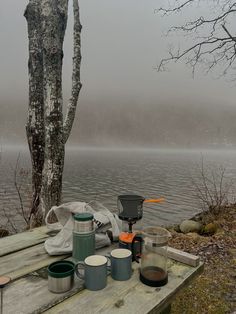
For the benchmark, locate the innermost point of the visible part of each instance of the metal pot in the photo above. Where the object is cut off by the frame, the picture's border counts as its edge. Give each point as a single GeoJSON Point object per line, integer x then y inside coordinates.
{"type": "Point", "coordinates": [130, 206]}
{"type": "Point", "coordinates": [61, 276]}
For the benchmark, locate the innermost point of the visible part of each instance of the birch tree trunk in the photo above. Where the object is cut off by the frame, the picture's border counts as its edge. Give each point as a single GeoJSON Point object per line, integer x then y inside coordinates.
{"type": "Point", "coordinates": [47, 21]}
{"type": "Point", "coordinates": [54, 19]}
{"type": "Point", "coordinates": [35, 120]}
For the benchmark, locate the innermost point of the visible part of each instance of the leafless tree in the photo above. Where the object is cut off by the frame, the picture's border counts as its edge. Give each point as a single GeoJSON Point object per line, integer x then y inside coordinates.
{"type": "Point", "coordinates": [212, 34]}
{"type": "Point", "coordinates": [18, 218]}
{"type": "Point", "coordinates": [47, 131]}
{"type": "Point", "coordinates": [214, 189]}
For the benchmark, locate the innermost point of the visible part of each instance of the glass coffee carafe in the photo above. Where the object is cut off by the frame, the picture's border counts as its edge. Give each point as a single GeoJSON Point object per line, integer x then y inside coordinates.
{"type": "Point", "coordinates": [154, 243]}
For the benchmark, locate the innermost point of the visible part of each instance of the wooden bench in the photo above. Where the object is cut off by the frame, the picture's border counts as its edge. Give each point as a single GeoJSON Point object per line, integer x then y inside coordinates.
{"type": "Point", "coordinates": [23, 258]}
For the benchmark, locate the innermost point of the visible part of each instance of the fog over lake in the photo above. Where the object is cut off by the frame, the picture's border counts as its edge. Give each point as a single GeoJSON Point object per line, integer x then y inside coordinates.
{"type": "Point", "coordinates": [136, 130]}
{"type": "Point", "coordinates": [103, 174]}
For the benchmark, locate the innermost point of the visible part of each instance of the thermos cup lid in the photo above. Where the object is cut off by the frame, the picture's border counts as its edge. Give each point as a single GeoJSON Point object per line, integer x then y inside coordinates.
{"type": "Point", "coordinates": [61, 269]}
{"type": "Point", "coordinates": [83, 217]}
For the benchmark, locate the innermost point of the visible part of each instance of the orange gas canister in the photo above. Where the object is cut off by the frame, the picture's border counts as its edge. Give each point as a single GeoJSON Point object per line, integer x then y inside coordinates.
{"type": "Point", "coordinates": [126, 242]}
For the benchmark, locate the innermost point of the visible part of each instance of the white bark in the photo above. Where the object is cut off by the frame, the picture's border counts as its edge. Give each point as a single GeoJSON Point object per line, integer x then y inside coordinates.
{"type": "Point", "coordinates": [54, 19]}
{"type": "Point", "coordinates": [35, 120]}
{"type": "Point", "coordinates": [76, 84]}
{"type": "Point", "coordinates": [49, 35]}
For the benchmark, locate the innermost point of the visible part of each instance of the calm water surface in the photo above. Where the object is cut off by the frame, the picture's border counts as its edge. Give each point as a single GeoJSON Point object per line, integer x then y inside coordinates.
{"type": "Point", "coordinates": [99, 174]}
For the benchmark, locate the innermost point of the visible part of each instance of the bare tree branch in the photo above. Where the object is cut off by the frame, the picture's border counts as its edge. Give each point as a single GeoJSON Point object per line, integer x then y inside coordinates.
{"type": "Point", "coordinates": [23, 214]}
{"type": "Point", "coordinates": [76, 84]}
{"type": "Point", "coordinates": [176, 9]}
{"type": "Point", "coordinates": [225, 29]}
{"type": "Point", "coordinates": [212, 188]}
{"type": "Point", "coordinates": [210, 49]}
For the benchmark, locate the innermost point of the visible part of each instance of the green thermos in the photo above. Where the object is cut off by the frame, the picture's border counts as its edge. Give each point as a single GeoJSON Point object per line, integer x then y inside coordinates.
{"type": "Point", "coordinates": [83, 236]}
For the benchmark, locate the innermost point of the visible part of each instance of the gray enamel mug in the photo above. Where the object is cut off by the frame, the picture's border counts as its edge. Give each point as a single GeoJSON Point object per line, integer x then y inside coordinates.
{"type": "Point", "coordinates": [121, 264]}
{"type": "Point", "coordinates": [95, 270]}
{"type": "Point", "coordinates": [61, 276]}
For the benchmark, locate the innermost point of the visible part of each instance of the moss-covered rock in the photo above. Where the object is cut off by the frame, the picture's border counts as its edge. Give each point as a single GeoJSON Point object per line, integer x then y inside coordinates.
{"type": "Point", "coordinates": [210, 229]}
{"type": "Point", "coordinates": [190, 226]}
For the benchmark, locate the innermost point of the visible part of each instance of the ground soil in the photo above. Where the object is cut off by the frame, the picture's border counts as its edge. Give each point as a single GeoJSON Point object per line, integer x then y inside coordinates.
{"type": "Point", "coordinates": [214, 292]}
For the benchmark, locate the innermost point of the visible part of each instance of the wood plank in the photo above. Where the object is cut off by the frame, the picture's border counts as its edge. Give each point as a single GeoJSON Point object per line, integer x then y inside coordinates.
{"type": "Point", "coordinates": [31, 292]}
{"type": "Point", "coordinates": [183, 257]}
{"type": "Point", "coordinates": [23, 240]}
{"type": "Point", "coordinates": [177, 255]}
{"type": "Point", "coordinates": [25, 261]}
{"type": "Point", "coordinates": [130, 296]}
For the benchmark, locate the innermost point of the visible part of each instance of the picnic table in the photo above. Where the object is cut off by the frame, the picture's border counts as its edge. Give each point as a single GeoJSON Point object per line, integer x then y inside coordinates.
{"type": "Point", "coordinates": [24, 259]}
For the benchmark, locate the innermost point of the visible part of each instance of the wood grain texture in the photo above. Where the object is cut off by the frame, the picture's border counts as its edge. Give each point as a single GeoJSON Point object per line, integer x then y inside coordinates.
{"type": "Point", "coordinates": [183, 257]}
{"type": "Point", "coordinates": [131, 296]}
{"type": "Point", "coordinates": [23, 240]}
{"type": "Point", "coordinates": [31, 291]}
{"type": "Point", "coordinates": [23, 262]}
{"type": "Point", "coordinates": [26, 265]}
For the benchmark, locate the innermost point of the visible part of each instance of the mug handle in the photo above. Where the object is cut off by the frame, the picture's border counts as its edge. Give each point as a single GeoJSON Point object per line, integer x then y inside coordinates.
{"type": "Point", "coordinates": [77, 266]}
{"type": "Point", "coordinates": [139, 239]}
{"type": "Point", "coordinates": [108, 266]}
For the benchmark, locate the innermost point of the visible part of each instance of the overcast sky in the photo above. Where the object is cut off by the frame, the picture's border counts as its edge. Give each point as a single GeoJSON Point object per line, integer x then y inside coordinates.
{"type": "Point", "coordinates": [122, 42]}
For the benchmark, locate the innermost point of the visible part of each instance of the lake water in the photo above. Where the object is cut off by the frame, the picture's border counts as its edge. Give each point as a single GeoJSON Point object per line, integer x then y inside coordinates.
{"type": "Point", "coordinates": [102, 174]}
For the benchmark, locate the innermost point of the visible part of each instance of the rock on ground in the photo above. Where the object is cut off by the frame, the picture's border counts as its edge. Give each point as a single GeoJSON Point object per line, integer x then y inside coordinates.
{"type": "Point", "coordinates": [190, 226]}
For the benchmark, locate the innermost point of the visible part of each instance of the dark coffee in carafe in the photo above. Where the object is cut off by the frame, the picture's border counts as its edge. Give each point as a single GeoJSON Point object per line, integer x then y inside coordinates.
{"type": "Point", "coordinates": [153, 276]}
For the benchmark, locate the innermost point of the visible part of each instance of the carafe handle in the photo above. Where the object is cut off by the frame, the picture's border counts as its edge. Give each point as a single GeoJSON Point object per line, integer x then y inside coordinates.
{"type": "Point", "coordinates": [139, 239]}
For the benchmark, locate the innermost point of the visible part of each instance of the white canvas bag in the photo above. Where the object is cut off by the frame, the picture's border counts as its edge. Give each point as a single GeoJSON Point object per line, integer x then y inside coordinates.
{"type": "Point", "coordinates": [103, 220]}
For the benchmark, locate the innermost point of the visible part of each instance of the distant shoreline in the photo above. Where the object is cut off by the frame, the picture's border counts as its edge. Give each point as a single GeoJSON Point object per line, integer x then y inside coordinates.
{"type": "Point", "coordinates": [73, 147]}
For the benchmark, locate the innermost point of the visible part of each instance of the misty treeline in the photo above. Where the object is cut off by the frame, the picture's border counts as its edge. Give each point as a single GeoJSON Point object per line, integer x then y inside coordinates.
{"type": "Point", "coordinates": [120, 123]}
{"type": "Point", "coordinates": [185, 125]}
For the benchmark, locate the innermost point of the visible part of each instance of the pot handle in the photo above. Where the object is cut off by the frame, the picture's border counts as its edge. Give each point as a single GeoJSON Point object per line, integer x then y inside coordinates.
{"type": "Point", "coordinates": [154, 200]}
{"type": "Point", "coordinates": [79, 265]}
{"type": "Point", "coordinates": [139, 239]}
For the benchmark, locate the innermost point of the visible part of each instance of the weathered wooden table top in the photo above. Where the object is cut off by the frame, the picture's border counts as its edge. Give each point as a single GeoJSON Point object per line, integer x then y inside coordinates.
{"type": "Point", "coordinates": [23, 258]}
